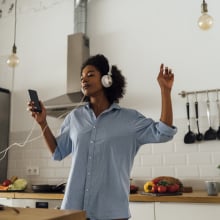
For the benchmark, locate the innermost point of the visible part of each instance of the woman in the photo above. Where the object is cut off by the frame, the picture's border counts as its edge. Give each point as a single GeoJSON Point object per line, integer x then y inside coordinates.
{"type": "Point", "coordinates": [103, 139]}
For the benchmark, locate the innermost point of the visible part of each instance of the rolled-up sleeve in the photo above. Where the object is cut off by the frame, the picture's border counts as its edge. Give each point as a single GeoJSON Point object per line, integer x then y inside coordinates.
{"type": "Point", "coordinates": [149, 131]}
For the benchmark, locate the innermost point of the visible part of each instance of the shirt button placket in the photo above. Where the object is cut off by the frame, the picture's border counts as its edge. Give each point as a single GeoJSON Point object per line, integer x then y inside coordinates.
{"type": "Point", "coordinates": [89, 166]}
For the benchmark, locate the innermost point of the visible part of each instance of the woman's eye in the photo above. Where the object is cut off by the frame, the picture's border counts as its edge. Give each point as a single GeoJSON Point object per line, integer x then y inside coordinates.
{"type": "Point", "coordinates": [89, 74]}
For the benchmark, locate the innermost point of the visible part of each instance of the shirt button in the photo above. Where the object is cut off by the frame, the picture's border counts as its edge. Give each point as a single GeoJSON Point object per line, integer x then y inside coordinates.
{"type": "Point", "coordinates": [87, 190]}
{"type": "Point", "coordinates": [88, 173]}
{"type": "Point", "coordinates": [94, 127]}
{"type": "Point", "coordinates": [90, 157]}
{"type": "Point", "coordinates": [91, 142]}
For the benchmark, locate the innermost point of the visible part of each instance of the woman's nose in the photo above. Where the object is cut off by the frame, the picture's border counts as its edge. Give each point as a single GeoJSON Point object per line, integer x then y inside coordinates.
{"type": "Point", "coordinates": [83, 79]}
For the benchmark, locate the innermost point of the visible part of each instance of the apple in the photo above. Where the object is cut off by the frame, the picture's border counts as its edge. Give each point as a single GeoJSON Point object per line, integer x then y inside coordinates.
{"type": "Point", "coordinates": [6, 182]}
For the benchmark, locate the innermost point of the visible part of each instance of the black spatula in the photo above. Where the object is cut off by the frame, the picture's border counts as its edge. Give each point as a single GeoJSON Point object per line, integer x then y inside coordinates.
{"type": "Point", "coordinates": [189, 137]}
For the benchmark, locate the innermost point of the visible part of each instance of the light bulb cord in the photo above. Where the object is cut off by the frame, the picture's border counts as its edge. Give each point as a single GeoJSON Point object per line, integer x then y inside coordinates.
{"type": "Point", "coordinates": [204, 7]}
{"type": "Point", "coordinates": [15, 28]}
{"type": "Point", "coordinates": [14, 48]}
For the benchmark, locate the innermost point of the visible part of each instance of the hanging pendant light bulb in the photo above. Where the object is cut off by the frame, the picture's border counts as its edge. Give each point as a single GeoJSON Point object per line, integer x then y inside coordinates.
{"type": "Point", "coordinates": [205, 21]}
{"type": "Point", "coordinates": [13, 59]}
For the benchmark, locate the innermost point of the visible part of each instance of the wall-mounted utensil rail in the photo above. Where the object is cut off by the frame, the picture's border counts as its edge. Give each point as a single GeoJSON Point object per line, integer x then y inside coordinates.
{"type": "Point", "coordinates": [210, 134]}
{"type": "Point", "coordinates": [184, 93]}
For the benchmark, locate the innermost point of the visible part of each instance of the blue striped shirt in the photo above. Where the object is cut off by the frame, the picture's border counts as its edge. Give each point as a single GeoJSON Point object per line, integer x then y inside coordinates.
{"type": "Point", "coordinates": [103, 150]}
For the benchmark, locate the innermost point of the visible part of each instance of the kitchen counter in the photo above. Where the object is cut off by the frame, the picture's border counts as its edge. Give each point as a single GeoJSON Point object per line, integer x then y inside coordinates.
{"type": "Point", "coordinates": [194, 197]}
{"type": "Point", "coordinates": [9, 195]}
{"type": "Point", "coordinates": [31, 195]}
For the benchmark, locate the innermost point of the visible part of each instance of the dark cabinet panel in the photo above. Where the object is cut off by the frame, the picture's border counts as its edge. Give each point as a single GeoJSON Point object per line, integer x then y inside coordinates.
{"type": "Point", "coordinates": [4, 130]}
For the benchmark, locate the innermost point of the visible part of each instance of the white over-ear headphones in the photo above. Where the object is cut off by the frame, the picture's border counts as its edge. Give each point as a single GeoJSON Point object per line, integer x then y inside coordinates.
{"type": "Point", "coordinates": [107, 80]}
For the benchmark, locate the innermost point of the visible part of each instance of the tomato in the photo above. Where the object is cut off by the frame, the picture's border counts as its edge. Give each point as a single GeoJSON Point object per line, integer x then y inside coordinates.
{"type": "Point", "coordinates": [156, 180]}
{"type": "Point", "coordinates": [154, 188]}
{"type": "Point", "coordinates": [177, 186]}
{"type": "Point", "coordinates": [161, 189]}
{"type": "Point", "coordinates": [173, 188]}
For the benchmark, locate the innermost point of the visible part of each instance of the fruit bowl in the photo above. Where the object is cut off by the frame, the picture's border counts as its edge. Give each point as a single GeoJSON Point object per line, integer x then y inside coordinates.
{"type": "Point", "coordinates": [163, 185]}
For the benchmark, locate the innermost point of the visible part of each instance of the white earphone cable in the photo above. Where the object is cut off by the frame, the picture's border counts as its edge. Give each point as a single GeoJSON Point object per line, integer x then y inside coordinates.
{"type": "Point", "coordinates": [4, 152]}
{"type": "Point", "coordinates": [28, 140]}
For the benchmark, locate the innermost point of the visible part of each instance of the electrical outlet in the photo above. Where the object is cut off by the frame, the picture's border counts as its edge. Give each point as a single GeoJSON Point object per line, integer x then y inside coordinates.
{"type": "Point", "coordinates": [32, 171]}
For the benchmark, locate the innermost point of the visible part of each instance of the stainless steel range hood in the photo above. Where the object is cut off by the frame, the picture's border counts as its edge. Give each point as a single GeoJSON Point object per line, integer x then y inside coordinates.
{"type": "Point", "coordinates": [77, 53]}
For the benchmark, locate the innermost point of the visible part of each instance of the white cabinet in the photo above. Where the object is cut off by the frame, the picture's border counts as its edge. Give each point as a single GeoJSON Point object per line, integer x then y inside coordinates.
{"type": "Point", "coordinates": [183, 211]}
{"type": "Point", "coordinates": [37, 203]}
{"type": "Point", "coordinates": [142, 210]}
{"type": "Point", "coordinates": [31, 203]}
{"type": "Point", "coordinates": [6, 201]}
{"type": "Point", "coordinates": [174, 211]}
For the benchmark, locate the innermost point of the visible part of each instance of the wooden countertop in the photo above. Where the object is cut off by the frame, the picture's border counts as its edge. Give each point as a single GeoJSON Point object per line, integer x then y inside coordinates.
{"type": "Point", "coordinates": [56, 196]}
{"type": "Point", "coordinates": [31, 195]}
{"type": "Point", "coordinates": [8, 195]}
{"type": "Point", "coordinates": [194, 197]}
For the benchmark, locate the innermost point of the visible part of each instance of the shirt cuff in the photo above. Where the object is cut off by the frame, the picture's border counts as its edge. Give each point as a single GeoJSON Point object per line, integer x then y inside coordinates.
{"type": "Point", "coordinates": [169, 130]}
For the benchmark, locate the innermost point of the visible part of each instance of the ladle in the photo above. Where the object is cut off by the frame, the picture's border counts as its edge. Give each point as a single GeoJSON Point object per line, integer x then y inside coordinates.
{"type": "Point", "coordinates": [199, 136]}
{"type": "Point", "coordinates": [189, 137]}
{"type": "Point", "coordinates": [218, 106]}
{"type": "Point", "coordinates": [210, 134]}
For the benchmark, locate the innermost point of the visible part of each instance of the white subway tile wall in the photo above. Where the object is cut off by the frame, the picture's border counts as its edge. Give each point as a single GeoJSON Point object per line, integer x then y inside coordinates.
{"type": "Point", "coordinates": [191, 163]}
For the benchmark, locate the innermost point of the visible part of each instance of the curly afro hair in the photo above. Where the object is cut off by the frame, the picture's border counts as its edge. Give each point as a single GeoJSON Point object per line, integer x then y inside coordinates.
{"type": "Point", "coordinates": [117, 90]}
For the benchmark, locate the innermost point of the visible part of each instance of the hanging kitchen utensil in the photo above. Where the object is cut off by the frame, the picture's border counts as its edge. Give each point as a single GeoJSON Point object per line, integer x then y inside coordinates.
{"type": "Point", "coordinates": [218, 106]}
{"type": "Point", "coordinates": [210, 134]}
{"type": "Point", "coordinates": [189, 137]}
{"type": "Point", "coordinates": [199, 136]}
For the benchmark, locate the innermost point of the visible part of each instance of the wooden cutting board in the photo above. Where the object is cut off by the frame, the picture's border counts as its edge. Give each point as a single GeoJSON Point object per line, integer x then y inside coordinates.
{"type": "Point", "coordinates": [10, 213]}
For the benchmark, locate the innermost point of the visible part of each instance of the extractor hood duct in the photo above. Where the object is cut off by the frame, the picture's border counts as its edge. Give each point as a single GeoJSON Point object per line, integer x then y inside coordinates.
{"type": "Point", "coordinates": [77, 53]}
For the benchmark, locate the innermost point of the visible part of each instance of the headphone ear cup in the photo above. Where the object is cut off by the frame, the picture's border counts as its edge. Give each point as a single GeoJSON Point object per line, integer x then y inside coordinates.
{"type": "Point", "coordinates": [106, 80]}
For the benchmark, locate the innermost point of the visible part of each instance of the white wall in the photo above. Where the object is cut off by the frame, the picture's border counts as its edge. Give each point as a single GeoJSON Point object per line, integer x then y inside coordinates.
{"type": "Point", "coordinates": [139, 35]}
{"type": "Point", "coordinates": [42, 29]}
{"type": "Point", "coordinates": [136, 36]}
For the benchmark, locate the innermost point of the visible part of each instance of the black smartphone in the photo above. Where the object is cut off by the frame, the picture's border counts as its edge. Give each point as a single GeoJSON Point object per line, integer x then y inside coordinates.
{"type": "Point", "coordinates": [34, 98]}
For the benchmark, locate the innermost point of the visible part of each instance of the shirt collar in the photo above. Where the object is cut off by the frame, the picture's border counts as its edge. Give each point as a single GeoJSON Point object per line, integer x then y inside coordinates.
{"type": "Point", "coordinates": [112, 106]}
